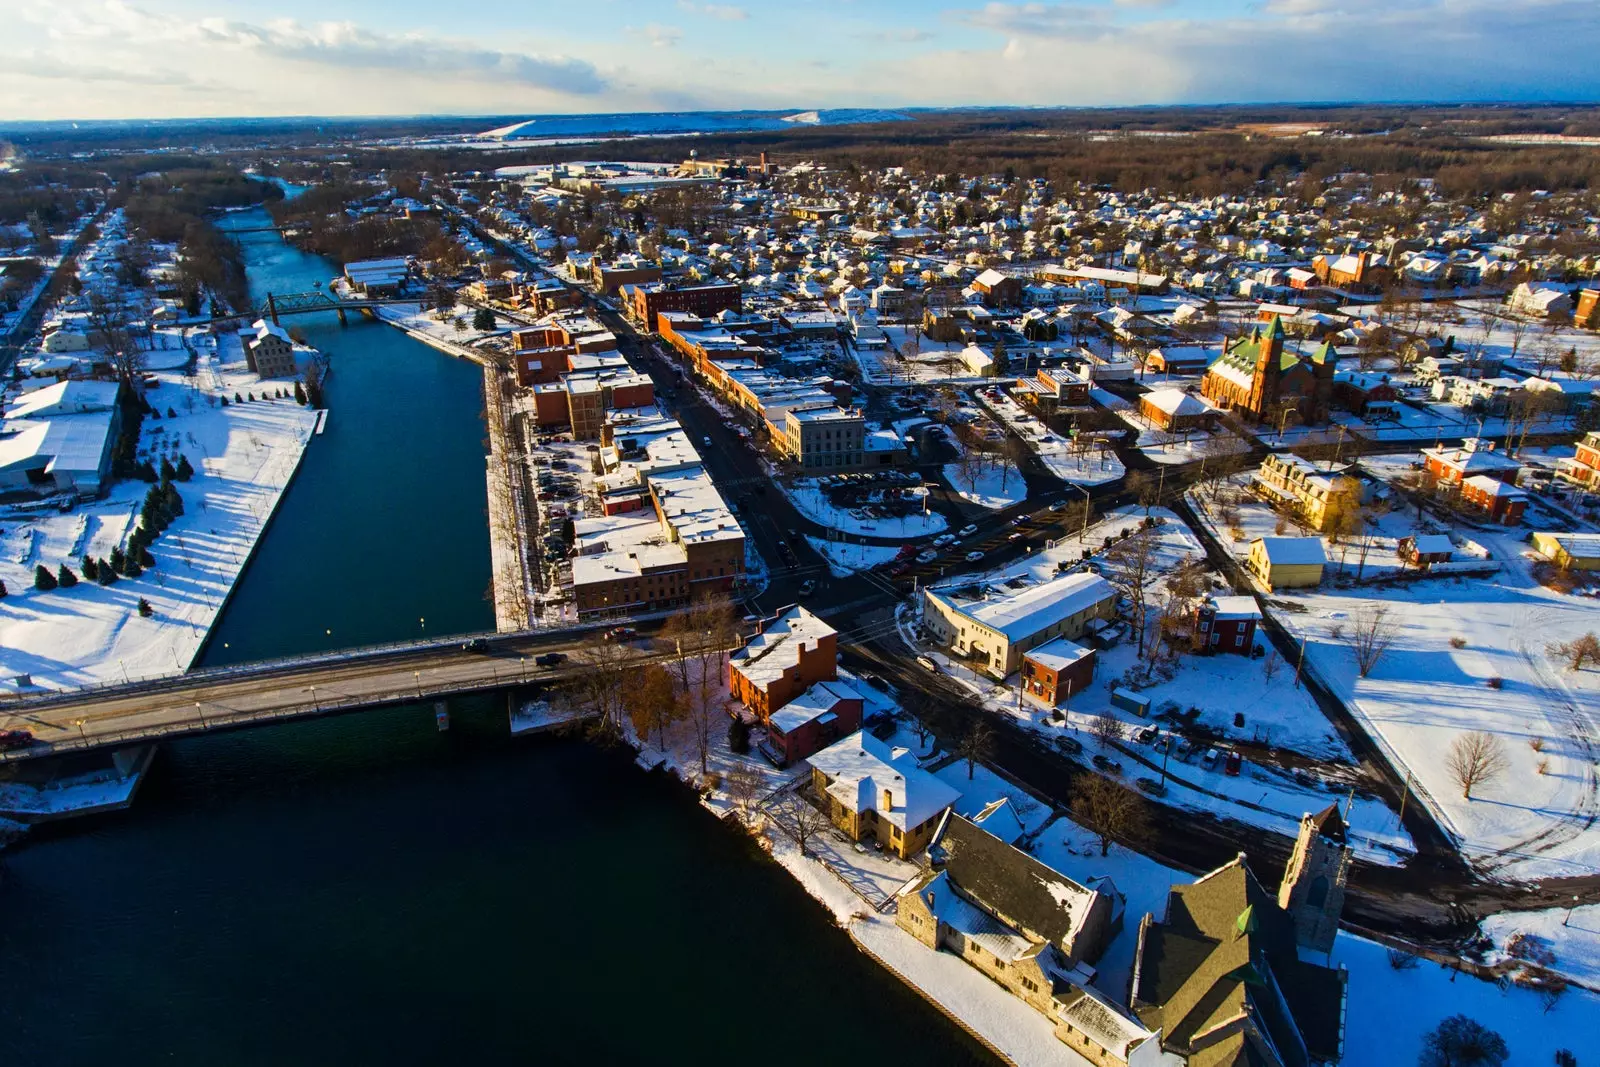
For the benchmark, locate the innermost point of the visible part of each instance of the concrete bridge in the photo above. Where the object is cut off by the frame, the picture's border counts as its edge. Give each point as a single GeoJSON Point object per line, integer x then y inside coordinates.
{"type": "Point", "coordinates": [275, 691]}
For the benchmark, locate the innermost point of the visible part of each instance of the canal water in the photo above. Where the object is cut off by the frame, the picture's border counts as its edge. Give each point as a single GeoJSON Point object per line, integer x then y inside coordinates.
{"type": "Point", "coordinates": [366, 890]}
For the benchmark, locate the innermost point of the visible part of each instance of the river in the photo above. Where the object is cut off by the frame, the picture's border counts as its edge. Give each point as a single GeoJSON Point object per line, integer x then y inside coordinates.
{"type": "Point", "coordinates": [365, 889]}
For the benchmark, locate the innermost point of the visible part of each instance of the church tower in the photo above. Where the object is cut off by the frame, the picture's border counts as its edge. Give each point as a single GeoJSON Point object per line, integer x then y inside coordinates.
{"type": "Point", "coordinates": [1312, 891]}
{"type": "Point", "coordinates": [1269, 366]}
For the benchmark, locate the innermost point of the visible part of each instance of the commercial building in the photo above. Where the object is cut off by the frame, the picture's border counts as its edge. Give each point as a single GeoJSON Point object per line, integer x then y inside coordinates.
{"type": "Point", "coordinates": [645, 302]}
{"type": "Point", "coordinates": [875, 792]}
{"type": "Point", "coordinates": [377, 277]}
{"type": "Point", "coordinates": [1577, 552]}
{"type": "Point", "coordinates": [1452, 466]}
{"type": "Point", "coordinates": [993, 631]}
{"type": "Point", "coordinates": [59, 439]}
{"type": "Point", "coordinates": [1057, 669]}
{"type": "Point", "coordinates": [792, 652]}
{"type": "Point", "coordinates": [826, 439]}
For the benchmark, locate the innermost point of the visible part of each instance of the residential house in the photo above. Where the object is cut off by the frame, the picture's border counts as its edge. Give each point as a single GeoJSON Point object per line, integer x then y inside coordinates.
{"type": "Point", "coordinates": [1451, 465]}
{"type": "Point", "coordinates": [1054, 671]}
{"type": "Point", "coordinates": [1226, 624]}
{"type": "Point", "coordinates": [875, 792]}
{"type": "Point", "coordinates": [1586, 311]}
{"type": "Point", "coordinates": [793, 652]}
{"type": "Point", "coordinates": [1422, 551]}
{"type": "Point", "coordinates": [1287, 562]}
{"type": "Point", "coordinates": [1540, 300]}
{"type": "Point", "coordinates": [1322, 497]}
{"type": "Point", "coordinates": [1177, 411]}
{"type": "Point", "coordinates": [1582, 468]}
{"type": "Point", "coordinates": [1499, 501]}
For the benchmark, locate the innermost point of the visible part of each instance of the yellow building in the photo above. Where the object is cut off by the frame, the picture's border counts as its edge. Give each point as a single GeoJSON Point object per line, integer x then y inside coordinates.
{"type": "Point", "coordinates": [1320, 497]}
{"type": "Point", "coordinates": [1287, 562]}
{"type": "Point", "coordinates": [1574, 552]}
{"type": "Point", "coordinates": [871, 791]}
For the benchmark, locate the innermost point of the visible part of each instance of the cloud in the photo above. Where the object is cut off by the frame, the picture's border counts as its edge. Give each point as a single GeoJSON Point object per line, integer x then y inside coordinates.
{"type": "Point", "coordinates": [724, 12]}
{"type": "Point", "coordinates": [659, 36]}
{"type": "Point", "coordinates": [41, 66]}
{"type": "Point", "coordinates": [905, 36]}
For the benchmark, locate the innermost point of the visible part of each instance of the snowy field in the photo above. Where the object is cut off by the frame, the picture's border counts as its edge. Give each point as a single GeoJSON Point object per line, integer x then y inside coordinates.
{"type": "Point", "coordinates": [812, 502]}
{"type": "Point", "coordinates": [244, 456]}
{"type": "Point", "coordinates": [1573, 934]}
{"type": "Point", "coordinates": [991, 486]}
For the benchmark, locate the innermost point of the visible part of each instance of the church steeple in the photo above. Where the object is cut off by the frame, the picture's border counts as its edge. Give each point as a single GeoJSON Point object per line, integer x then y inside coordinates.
{"type": "Point", "coordinates": [1312, 890]}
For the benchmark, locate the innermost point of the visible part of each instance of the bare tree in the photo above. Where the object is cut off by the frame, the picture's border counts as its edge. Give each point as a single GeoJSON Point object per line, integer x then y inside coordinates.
{"type": "Point", "coordinates": [803, 819]}
{"type": "Point", "coordinates": [703, 718]}
{"type": "Point", "coordinates": [1131, 563]}
{"type": "Point", "coordinates": [654, 703]}
{"type": "Point", "coordinates": [600, 688]}
{"type": "Point", "coordinates": [977, 746]}
{"type": "Point", "coordinates": [1107, 729]}
{"type": "Point", "coordinates": [1371, 634]}
{"type": "Point", "coordinates": [1577, 652]}
{"type": "Point", "coordinates": [1108, 810]}
{"type": "Point", "coordinates": [1475, 759]}
{"type": "Point", "coordinates": [745, 785]}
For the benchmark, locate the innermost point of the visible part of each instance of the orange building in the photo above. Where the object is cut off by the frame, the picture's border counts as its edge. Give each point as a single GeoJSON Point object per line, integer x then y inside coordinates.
{"type": "Point", "coordinates": [792, 653]}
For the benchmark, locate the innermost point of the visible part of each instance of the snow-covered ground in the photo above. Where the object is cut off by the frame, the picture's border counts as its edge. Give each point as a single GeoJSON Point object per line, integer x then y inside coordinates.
{"type": "Point", "coordinates": [812, 501]}
{"type": "Point", "coordinates": [243, 455]}
{"type": "Point", "coordinates": [1572, 934]}
{"type": "Point", "coordinates": [845, 558]}
{"type": "Point", "coordinates": [1060, 455]}
{"type": "Point", "coordinates": [991, 486]}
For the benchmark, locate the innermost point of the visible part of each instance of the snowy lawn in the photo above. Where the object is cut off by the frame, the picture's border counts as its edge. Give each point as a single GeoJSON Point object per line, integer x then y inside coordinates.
{"type": "Point", "coordinates": [845, 558]}
{"type": "Point", "coordinates": [243, 456]}
{"type": "Point", "coordinates": [1573, 934]}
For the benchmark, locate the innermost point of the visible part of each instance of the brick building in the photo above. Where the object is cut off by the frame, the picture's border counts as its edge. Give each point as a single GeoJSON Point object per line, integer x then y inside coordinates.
{"type": "Point", "coordinates": [792, 653]}
{"type": "Point", "coordinates": [1452, 466]}
{"type": "Point", "coordinates": [645, 302]}
{"type": "Point", "coordinates": [1226, 624]}
{"type": "Point", "coordinates": [1500, 502]}
{"type": "Point", "coordinates": [1056, 670]}
{"type": "Point", "coordinates": [1257, 379]}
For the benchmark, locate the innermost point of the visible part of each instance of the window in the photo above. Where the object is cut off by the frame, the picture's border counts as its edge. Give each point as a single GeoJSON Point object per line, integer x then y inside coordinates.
{"type": "Point", "coordinates": [1238, 640]}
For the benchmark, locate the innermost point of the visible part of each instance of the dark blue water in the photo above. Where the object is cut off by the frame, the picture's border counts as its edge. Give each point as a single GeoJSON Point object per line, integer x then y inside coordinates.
{"type": "Point", "coordinates": [366, 890]}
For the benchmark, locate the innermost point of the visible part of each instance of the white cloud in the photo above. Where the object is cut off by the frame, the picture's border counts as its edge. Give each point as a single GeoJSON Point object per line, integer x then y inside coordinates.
{"type": "Point", "coordinates": [724, 12]}
{"type": "Point", "coordinates": [659, 36]}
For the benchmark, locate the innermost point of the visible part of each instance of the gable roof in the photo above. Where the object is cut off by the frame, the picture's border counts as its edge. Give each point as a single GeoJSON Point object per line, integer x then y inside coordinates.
{"type": "Point", "coordinates": [861, 769]}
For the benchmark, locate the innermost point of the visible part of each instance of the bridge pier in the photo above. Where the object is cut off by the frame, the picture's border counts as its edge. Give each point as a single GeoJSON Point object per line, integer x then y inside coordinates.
{"type": "Point", "coordinates": [342, 320]}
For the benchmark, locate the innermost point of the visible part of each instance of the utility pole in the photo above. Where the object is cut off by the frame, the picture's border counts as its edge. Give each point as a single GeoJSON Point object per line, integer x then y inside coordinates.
{"type": "Point", "coordinates": [1300, 663]}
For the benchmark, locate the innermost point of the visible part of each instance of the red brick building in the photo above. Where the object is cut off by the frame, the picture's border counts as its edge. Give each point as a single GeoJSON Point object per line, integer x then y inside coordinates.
{"type": "Point", "coordinates": [1056, 670]}
{"type": "Point", "coordinates": [1502, 503]}
{"type": "Point", "coordinates": [1452, 466]}
{"type": "Point", "coordinates": [814, 720]}
{"type": "Point", "coordinates": [645, 302]}
{"type": "Point", "coordinates": [1226, 624]}
{"type": "Point", "coordinates": [792, 653]}
{"type": "Point", "coordinates": [1586, 315]}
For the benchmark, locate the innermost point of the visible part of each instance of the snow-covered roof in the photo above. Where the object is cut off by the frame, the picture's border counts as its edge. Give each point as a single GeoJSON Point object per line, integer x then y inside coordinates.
{"type": "Point", "coordinates": [1175, 402]}
{"type": "Point", "coordinates": [1059, 654]}
{"type": "Point", "coordinates": [814, 703]}
{"type": "Point", "coordinates": [861, 770]}
{"type": "Point", "coordinates": [71, 397]}
{"type": "Point", "coordinates": [1038, 607]}
{"type": "Point", "coordinates": [1234, 607]}
{"type": "Point", "coordinates": [1293, 551]}
{"type": "Point", "coordinates": [778, 647]}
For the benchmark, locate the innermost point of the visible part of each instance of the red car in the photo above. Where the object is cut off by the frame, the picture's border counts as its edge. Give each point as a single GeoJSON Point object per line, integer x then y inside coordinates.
{"type": "Point", "coordinates": [1232, 766]}
{"type": "Point", "coordinates": [10, 739]}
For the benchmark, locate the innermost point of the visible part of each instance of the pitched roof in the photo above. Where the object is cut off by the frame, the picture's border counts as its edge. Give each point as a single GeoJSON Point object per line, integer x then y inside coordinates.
{"type": "Point", "coordinates": [1226, 951]}
{"type": "Point", "coordinates": [861, 769]}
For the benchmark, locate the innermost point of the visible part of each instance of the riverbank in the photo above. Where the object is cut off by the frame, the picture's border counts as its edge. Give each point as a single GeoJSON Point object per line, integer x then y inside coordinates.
{"type": "Point", "coordinates": [244, 455]}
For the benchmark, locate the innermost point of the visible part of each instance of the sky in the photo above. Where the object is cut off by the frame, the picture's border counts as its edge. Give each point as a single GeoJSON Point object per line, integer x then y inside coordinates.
{"type": "Point", "coordinates": [91, 59]}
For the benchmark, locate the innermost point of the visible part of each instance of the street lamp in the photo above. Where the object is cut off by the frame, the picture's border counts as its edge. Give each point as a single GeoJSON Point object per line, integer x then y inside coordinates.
{"type": "Point", "coordinates": [1568, 920]}
{"type": "Point", "coordinates": [198, 710]}
{"type": "Point", "coordinates": [79, 724]}
{"type": "Point", "coordinates": [1087, 508]}
{"type": "Point", "coordinates": [417, 677]}
{"type": "Point", "coordinates": [314, 699]}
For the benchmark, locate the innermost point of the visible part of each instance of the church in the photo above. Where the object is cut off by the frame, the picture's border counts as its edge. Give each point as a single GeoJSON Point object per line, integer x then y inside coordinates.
{"type": "Point", "coordinates": [1258, 380]}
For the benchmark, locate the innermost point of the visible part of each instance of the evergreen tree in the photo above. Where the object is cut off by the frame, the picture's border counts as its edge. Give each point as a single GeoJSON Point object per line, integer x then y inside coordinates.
{"type": "Point", "coordinates": [106, 573]}
{"type": "Point", "coordinates": [299, 394]}
{"type": "Point", "coordinates": [237, 399]}
{"type": "Point", "coordinates": [483, 320]}
{"type": "Point", "coordinates": [131, 568]}
{"type": "Point", "coordinates": [43, 580]}
{"type": "Point", "coordinates": [168, 471]}
{"type": "Point", "coordinates": [185, 471]}
{"type": "Point", "coordinates": [118, 558]}
{"type": "Point", "coordinates": [250, 397]}
{"type": "Point", "coordinates": [65, 578]}
{"type": "Point", "coordinates": [90, 568]}
{"type": "Point", "coordinates": [171, 414]}
{"type": "Point", "coordinates": [145, 610]}
{"type": "Point", "coordinates": [224, 401]}
{"type": "Point", "coordinates": [154, 414]}
{"type": "Point", "coordinates": [144, 557]}
{"type": "Point", "coordinates": [738, 736]}
{"type": "Point", "coordinates": [146, 471]}
{"type": "Point", "coordinates": [174, 501]}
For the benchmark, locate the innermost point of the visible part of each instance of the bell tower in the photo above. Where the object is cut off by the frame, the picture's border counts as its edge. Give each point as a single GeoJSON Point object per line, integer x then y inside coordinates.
{"type": "Point", "coordinates": [1312, 890]}
{"type": "Point", "coordinates": [1269, 365]}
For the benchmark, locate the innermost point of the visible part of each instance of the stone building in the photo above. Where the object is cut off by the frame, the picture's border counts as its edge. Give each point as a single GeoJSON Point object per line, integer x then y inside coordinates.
{"type": "Point", "coordinates": [1258, 380]}
{"type": "Point", "coordinates": [1312, 890]}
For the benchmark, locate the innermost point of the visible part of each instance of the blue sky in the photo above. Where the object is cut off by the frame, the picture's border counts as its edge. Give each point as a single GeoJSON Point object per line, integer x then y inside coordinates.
{"type": "Point", "coordinates": [129, 59]}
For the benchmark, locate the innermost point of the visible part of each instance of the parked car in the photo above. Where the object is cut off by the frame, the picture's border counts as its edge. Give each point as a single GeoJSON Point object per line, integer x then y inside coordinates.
{"type": "Point", "coordinates": [477, 644]}
{"type": "Point", "coordinates": [551, 659]}
{"type": "Point", "coordinates": [1211, 758]}
{"type": "Point", "coordinates": [621, 633]}
{"type": "Point", "coordinates": [14, 739]}
{"type": "Point", "coordinates": [808, 587]}
{"type": "Point", "coordinates": [974, 556]}
{"type": "Point", "coordinates": [1014, 536]}
{"type": "Point", "coordinates": [1233, 764]}
{"type": "Point", "coordinates": [944, 539]}
{"type": "Point", "coordinates": [927, 555]}
{"type": "Point", "coordinates": [1105, 763]}
{"type": "Point", "coordinates": [967, 530]}
{"type": "Point", "coordinates": [1070, 745]}
{"type": "Point", "coordinates": [1145, 734]}
{"type": "Point", "coordinates": [928, 664]}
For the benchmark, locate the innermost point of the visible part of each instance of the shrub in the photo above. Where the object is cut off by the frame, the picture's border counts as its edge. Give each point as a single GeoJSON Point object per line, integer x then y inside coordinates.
{"type": "Point", "coordinates": [1458, 642]}
{"type": "Point", "coordinates": [43, 580]}
{"type": "Point", "coordinates": [65, 578]}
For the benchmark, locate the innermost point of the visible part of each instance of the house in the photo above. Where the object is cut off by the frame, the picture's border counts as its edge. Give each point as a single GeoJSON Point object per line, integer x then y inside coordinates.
{"type": "Point", "coordinates": [1174, 359]}
{"type": "Point", "coordinates": [1056, 670]}
{"type": "Point", "coordinates": [874, 792]}
{"type": "Point", "coordinates": [1360, 273]}
{"type": "Point", "coordinates": [1030, 929]}
{"type": "Point", "coordinates": [1226, 624]}
{"type": "Point", "coordinates": [1424, 550]}
{"type": "Point", "coordinates": [979, 361]}
{"type": "Point", "coordinates": [1365, 393]}
{"type": "Point", "coordinates": [1500, 502]}
{"type": "Point", "coordinates": [813, 720]}
{"type": "Point", "coordinates": [268, 350]}
{"type": "Point", "coordinates": [1256, 378]}
{"type": "Point", "coordinates": [1287, 562]}
{"type": "Point", "coordinates": [998, 290]}
{"type": "Point", "coordinates": [1220, 979]}
{"type": "Point", "coordinates": [59, 439]}
{"type": "Point", "coordinates": [993, 631]}
{"type": "Point", "coordinates": [1583, 467]}
{"type": "Point", "coordinates": [1586, 311]}
{"type": "Point", "coordinates": [1321, 497]}
{"type": "Point", "coordinates": [1575, 552]}
{"type": "Point", "coordinates": [1452, 466]}
{"type": "Point", "coordinates": [1176, 411]}
{"type": "Point", "coordinates": [1540, 300]}
{"type": "Point", "coordinates": [793, 652]}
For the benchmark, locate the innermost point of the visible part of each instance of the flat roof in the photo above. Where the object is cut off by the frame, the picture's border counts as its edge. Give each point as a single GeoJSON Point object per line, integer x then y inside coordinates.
{"type": "Point", "coordinates": [1025, 613]}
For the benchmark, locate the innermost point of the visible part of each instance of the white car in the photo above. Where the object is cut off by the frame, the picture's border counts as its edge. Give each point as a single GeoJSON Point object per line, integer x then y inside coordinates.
{"type": "Point", "coordinates": [974, 556]}
{"type": "Point", "coordinates": [927, 555]}
{"type": "Point", "coordinates": [944, 539]}
{"type": "Point", "coordinates": [968, 531]}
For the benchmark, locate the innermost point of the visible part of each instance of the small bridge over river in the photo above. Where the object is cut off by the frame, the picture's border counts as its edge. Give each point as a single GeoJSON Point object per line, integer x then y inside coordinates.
{"type": "Point", "coordinates": [255, 694]}
{"type": "Point", "coordinates": [277, 305]}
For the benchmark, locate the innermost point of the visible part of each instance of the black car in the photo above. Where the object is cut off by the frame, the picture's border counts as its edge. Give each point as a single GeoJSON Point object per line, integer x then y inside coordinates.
{"type": "Point", "coordinates": [551, 659]}
{"type": "Point", "coordinates": [477, 644]}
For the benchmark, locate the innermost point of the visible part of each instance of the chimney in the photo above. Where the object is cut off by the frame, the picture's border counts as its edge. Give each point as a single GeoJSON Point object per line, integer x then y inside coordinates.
{"type": "Point", "coordinates": [888, 800]}
{"type": "Point", "coordinates": [932, 899]}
